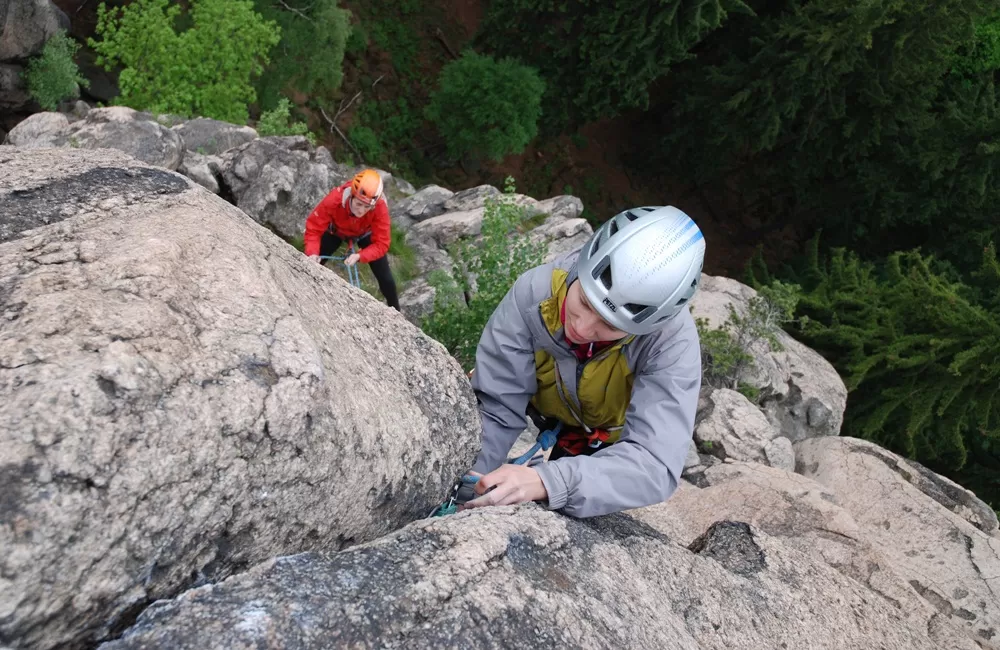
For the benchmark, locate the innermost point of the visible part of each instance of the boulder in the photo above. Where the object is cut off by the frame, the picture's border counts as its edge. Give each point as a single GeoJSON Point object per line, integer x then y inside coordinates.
{"type": "Point", "coordinates": [470, 199]}
{"type": "Point", "coordinates": [211, 137]}
{"type": "Point", "coordinates": [424, 204]}
{"type": "Point", "coordinates": [40, 131]}
{"type": "Point", "coordinates": [183, 395]}
{"type": "Point", "coordinates": [279, 180]}
{"type": "Point", "coordinates": [13, 91]}
{"type": "Point", "coordinates": [25, 26]}
{"type": "Point", "coordinates": [203, 170]}
{"type": "Point", "coordinates": [115, 127]}
{"type": "Point", "coordinates": [801, 393]}
{"type": "Point", "coordinates": [727, 425]}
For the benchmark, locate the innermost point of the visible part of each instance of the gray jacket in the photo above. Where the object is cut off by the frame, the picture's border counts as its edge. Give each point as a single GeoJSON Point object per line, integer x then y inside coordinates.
{"type": "Point", "coordinates": [644, 466]}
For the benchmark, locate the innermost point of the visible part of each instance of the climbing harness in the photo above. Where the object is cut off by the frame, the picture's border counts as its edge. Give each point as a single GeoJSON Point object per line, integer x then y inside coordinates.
{"type": "Point", "coordinates": [544, 442]}
{"type": "Point", "coordinates": [353, 275]}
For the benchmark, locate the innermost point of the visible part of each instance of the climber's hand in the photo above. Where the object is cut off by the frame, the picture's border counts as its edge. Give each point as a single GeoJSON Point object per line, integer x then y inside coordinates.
{"type": "Point", "coordinates": [352, 259]}
{"type": "Point", "coordinates": [508, 485]}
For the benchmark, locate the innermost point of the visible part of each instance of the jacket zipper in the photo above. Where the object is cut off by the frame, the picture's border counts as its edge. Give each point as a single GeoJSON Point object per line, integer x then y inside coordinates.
{"type": "Point", "coordinates": [560, 384]}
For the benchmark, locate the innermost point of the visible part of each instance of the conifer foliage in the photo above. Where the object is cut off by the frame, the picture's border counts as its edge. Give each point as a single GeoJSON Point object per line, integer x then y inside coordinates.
{"type": "Point", "coordinates": [920, 353]}
{"type": "Point", "coordinates": [877, 121]}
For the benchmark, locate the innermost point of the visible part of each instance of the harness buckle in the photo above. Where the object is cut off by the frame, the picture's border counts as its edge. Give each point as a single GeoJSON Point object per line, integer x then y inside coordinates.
{"type": "Point", "coordinates": [597, 438]}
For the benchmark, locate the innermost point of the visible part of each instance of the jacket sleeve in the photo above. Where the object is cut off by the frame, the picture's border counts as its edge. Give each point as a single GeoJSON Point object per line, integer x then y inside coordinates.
{"type": "Point", "coordinates": [381, 234]}
{"type": "Point", "coordinates": [645, 466]}
{"type": "Point", "coordinates": [504, 379]}
{"type": "Point", "coordinates": [318, 221]}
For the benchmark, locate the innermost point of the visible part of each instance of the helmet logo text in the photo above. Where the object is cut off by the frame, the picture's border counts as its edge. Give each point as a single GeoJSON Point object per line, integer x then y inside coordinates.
{"type": "Point", "coordinates": [612, 306]}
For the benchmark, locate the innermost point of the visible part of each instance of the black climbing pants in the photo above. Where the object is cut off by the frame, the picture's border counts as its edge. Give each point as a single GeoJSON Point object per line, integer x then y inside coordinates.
{"type": "Point", "coordinates": [380, 267]}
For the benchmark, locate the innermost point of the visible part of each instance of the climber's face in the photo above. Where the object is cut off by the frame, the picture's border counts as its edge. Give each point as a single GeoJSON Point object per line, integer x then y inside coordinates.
{"type": "Point", "coordinates": [360, 207]}
{"type": "Point", "coordinates": [583, 324]}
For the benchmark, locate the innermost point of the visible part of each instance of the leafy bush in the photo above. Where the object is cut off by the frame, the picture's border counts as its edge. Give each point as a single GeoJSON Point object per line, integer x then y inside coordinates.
{"type": "Point", "coordinates": [917, 344]}
{"type": "Point", "coordinates": [366, 142]}
{"type": "Point", "coordinates": [396, 126]}
{"type": "Point", "coordinates": [205, 70]}
{"type": "Point", "coordinates": [52, 76]}
{"type": "Point", "coordinates": [485, 107]}
{"type": "Point", "coordinates": [482, 275]}
{"type": "Point", "coordinates": [278, 122]}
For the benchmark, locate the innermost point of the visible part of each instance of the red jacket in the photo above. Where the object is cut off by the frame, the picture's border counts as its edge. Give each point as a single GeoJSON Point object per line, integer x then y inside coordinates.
{"type": "Point", "coordinates": [335, 209]}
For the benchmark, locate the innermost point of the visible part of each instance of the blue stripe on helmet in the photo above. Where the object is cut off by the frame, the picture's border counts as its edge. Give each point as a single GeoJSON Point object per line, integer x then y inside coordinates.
{"type": "Point", "coordinates": [695, 238]}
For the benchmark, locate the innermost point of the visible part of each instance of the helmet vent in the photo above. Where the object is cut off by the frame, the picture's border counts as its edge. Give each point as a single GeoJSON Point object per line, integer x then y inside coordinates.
{"type": "Point", "coordinates": [606, 277]}
{"type": "Point", "coordinates": [613, 228]}
{"type": "Point", "coordinates": [640, 312]}
{"type": "Point", "coordinates": [602, 271]}
{"type": "Point", "coordinates": [631, 215]}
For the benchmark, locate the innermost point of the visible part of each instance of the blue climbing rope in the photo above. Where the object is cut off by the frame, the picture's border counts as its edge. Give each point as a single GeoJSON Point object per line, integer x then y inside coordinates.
{"type": "Point", "coordinates": [353, 275]}
{"type": "Point", "coordinates": [544, 442]}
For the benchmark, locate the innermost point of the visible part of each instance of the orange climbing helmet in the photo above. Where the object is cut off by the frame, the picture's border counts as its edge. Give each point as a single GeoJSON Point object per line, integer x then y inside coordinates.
{"type": "Point", "coordinates": [367, 186]}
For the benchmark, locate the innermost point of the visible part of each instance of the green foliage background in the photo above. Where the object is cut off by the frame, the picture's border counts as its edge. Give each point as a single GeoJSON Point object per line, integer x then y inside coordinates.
{"type": "Point", "coordinates": [482, 274]}
{"type": "Point", "coordinates": [597, 57]}
{"type": "Point", "coordinates": [205, 70]}
{"type": "Point", "coordinates": [310, 54]}
{"type": "Point", "coordinates": [486, 107]}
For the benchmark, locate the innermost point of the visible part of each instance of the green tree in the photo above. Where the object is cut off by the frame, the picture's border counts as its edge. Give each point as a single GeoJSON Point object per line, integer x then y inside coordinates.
{"type": "Point", "coordinates": [485, 107]}
{"type": "Point", "coordinates": [983, 54]}
{"type": "Point", "coordinates": [310, 56]}
{"type": "Point", "coordinates": [846, 116]}
{"type": "Point", "coordinates": [597, 57]}
{"type": "Point", "coordinates": [920, 354]}
{"type": "Point", "coordinates": [52, 76]}
{"type": "Point", "coordinates": [205, 70]}
{"type": "Point", "coordinates": [483, 273]}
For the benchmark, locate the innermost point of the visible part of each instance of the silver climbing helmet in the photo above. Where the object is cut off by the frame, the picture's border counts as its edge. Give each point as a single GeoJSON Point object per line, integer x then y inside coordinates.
{"type": "Point", "coordinates": [642, 267]}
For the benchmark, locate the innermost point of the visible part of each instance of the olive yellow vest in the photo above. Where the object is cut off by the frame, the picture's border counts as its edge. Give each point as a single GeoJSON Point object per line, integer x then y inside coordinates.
{"type": "Point", "coordinates": [604, 387]}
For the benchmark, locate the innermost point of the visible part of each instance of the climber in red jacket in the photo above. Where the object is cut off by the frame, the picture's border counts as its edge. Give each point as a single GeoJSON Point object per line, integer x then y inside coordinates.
{"type": "Point", "coordinates": [355, 211]}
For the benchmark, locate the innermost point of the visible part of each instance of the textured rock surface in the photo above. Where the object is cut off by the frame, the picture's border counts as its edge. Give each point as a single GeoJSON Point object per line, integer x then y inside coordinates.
{"type": "Point", "coordinates": [525, 578]}
{"type": "Point", "coordinates": [211, 137]}
{"type": "Point", "coordinates": [938, 537]}
{"type": "Point", "coordinates": [183, 395]}
{"type": "Point", "coordinates": [115, 127]}
{"type": "Point", "coordinates": [424, 204]}
{"type": "Point", "coordinates": [728, 425]}
{"type": "Point", "coordinates": [805, 515]}
{"type": "Point", "coordinates": [279, 180]}
{"type": "Point", "coordinates": [25, 25]}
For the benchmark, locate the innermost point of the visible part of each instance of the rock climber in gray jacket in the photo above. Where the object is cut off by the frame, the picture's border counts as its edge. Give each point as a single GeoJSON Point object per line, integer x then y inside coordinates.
{"type": "Point", "coordinates": [602, 341]}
